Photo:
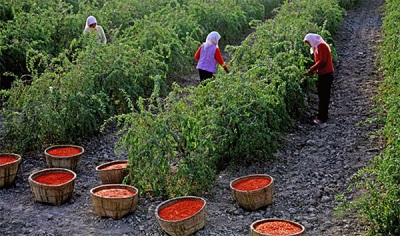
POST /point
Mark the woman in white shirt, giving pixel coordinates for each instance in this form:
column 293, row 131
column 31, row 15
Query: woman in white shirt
column 92, row 27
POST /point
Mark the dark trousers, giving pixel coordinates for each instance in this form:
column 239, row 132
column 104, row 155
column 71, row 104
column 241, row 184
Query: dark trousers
column 205, row 75
column 324, row 94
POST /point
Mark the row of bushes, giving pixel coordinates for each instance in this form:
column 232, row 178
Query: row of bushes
column 49, row 27
column 75, row 83
column 177, row 144
column 380, row 205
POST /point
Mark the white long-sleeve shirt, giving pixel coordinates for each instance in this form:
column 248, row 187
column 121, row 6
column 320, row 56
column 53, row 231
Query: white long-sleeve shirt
column 100, row 35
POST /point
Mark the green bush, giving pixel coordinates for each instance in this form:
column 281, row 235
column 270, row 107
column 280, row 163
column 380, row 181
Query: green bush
column 41, row 26
column 34, row 113
column 232, row 118
column 6, row 13
column 168, row 147
column 146, row 40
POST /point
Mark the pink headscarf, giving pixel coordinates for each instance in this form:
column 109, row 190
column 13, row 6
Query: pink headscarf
column 212, row 39
column 315, row 40
column 90, row 20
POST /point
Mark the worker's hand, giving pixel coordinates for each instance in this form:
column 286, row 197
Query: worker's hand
column 309, row 73
column 226, row 70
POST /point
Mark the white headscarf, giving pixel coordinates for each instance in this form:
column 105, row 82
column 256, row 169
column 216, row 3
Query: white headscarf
column 212, row 39
column 315, row 40
column 90, row 20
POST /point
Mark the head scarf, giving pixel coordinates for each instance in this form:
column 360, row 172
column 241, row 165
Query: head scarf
column 315, row 40
column 212, row 39
column 90, row 20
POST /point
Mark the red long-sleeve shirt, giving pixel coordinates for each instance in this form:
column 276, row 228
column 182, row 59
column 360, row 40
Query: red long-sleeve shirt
column 217, row 54
column 323, row 60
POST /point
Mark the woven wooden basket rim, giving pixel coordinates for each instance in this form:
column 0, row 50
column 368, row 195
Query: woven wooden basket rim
column 11, row 154
column 114, row 186
column 250, row 177
column 252, row 226
column 99, row 167
column 46, row 151
column 51, row 171
column 177, row 199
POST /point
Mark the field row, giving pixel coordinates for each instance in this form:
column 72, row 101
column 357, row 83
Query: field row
column 379, row 206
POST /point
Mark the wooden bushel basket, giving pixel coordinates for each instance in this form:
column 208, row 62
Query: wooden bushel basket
column 9, row 171
column 112, row 176
column 68, row 162
column 258, row 222
column 185, row 226
column 115, row 208
column 52, row 194
column 253, row 199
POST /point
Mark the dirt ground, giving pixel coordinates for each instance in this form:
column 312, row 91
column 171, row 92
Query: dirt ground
column 316, row 163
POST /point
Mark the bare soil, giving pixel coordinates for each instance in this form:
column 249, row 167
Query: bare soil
column 315, row 164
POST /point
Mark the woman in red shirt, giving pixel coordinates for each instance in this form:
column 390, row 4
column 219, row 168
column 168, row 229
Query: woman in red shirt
column 208, row 56
column 324, row 68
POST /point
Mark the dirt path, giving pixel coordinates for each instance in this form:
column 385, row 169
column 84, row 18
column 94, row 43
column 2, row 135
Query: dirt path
column 315, row 164
column 318, row 161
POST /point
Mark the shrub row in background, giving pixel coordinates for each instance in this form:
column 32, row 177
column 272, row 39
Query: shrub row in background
column 177, row 144
column 75, row 83
column 49, row 27
column 379, row 206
